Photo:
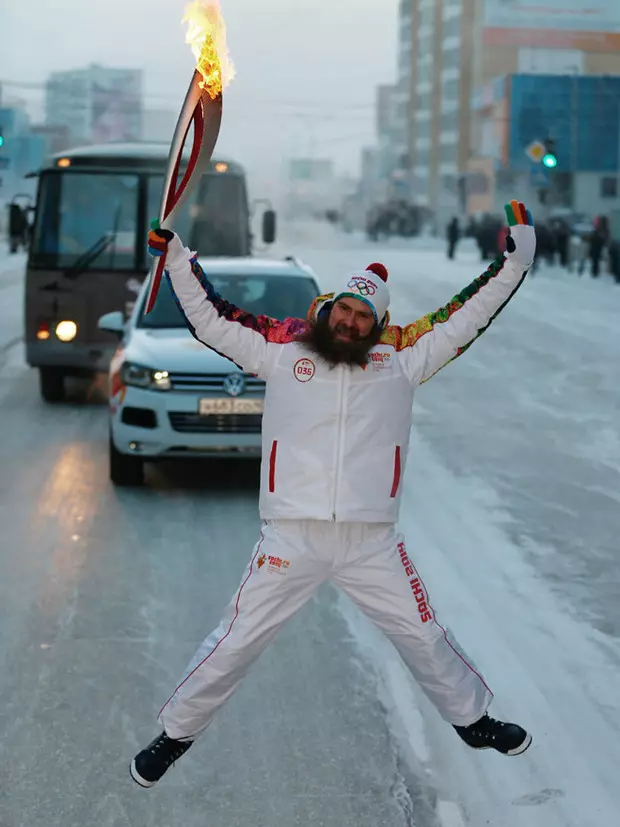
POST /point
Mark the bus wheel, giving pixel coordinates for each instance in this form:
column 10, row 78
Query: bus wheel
column 52, row 384
column 125, row 470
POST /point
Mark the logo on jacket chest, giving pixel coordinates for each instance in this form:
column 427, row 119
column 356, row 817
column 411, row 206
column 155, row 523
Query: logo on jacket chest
column 304, row 369
column 380, row 360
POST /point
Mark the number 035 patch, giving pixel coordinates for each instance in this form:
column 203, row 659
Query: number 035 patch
column 304, row 369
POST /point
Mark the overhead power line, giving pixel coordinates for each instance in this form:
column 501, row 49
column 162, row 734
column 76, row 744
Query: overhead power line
column 173, row 100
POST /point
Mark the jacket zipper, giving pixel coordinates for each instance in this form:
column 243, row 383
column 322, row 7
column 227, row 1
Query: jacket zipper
column 339, row 439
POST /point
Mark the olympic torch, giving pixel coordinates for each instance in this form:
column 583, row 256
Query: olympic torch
column 202, row 109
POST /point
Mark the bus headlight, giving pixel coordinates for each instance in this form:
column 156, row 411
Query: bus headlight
column 141, row 377
column 66, row 331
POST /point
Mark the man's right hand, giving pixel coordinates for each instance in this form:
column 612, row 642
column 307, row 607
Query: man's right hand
column 158, row 239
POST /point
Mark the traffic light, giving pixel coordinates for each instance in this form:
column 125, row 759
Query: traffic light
column 1, row 138
column 549, row 159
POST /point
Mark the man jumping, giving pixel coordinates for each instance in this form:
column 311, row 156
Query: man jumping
column 335, row 434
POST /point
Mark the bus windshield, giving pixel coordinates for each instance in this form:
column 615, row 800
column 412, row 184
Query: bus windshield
column 89, row 220
column 81, row 212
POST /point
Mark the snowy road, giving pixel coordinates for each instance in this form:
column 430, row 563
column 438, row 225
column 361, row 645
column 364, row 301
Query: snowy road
column 511, row 511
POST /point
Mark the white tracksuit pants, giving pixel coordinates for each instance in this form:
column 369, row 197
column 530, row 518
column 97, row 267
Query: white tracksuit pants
column 368, row 561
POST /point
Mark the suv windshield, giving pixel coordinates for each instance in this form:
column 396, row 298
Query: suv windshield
column 280, row 297
column 81, row 212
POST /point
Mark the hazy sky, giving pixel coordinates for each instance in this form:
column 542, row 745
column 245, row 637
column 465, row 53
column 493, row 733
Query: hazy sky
column 306, row 71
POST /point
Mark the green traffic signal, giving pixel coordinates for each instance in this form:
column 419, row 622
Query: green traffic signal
column 1, row 140
column 549, row 160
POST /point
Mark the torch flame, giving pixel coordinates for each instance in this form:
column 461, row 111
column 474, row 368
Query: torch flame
column 206, row 34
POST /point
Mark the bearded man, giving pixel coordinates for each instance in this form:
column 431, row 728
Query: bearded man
column 335, row 434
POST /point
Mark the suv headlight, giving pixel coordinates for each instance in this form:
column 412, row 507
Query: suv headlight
column 141, row 377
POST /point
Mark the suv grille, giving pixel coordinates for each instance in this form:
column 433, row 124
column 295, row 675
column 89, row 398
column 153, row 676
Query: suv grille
column 212, row 383
column 191, row 423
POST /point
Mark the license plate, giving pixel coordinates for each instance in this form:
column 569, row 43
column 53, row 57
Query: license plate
column 210, row 407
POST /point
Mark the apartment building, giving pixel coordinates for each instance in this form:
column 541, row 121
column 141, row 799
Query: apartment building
column 458, row 49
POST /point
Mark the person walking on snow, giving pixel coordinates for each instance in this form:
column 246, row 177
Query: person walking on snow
column 453, row 234
column 335, row 434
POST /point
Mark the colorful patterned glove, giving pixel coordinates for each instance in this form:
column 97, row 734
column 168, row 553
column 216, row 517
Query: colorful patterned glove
column 158, row 239
column 521, row 238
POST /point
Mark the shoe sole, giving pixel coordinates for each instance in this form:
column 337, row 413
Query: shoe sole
column 516, row 751
column 142, row 782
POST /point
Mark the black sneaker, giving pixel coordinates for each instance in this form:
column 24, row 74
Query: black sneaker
column 487, row 733
column 151, row 763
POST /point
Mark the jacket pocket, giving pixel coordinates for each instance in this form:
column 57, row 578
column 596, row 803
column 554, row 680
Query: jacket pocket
column 272, row 466
column 396, row 476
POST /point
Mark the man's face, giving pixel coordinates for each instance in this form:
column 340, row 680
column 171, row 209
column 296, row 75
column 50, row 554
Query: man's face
column 346, row 335
column 350, row 320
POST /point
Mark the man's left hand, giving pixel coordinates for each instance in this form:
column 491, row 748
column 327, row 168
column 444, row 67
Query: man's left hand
column 521, row 238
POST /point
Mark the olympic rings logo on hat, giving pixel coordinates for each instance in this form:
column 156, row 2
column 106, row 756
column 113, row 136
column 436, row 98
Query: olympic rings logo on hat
column 364, row 287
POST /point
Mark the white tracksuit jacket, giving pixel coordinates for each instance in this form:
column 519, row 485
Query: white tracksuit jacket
column 334, row 451
column 335, row 440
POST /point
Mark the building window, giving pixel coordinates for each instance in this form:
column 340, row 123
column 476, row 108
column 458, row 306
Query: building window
column 422, row 157
column 448, row 138
column 452, row 59
column 451, row 89
column 609, row 187
column 424, row 102
column 451, row 9
column 448, row 154
column 450, row 122
column 452, row 31
column 421, row 129
column 422, row 119
column 450, row 74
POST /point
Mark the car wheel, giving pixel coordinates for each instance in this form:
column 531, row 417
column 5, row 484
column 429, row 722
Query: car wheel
column 52, row 384
column 124, row 469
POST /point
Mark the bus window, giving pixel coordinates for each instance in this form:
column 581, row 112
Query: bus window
column 82, row 211
column 220, row 218
column 182, row 222
column 215, row 220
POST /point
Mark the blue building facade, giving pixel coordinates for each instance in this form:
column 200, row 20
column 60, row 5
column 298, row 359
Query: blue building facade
column 21, row 152
column 580, row 113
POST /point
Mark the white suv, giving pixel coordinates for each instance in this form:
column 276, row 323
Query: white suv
column 170, row 396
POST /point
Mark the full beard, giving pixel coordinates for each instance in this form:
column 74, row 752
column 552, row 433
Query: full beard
column 321, row 339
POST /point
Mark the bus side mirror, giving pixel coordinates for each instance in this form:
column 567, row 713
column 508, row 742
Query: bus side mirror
column 269, row 226
column 113, row 322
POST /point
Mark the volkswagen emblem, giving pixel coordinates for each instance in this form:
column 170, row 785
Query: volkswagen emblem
column 234, row 384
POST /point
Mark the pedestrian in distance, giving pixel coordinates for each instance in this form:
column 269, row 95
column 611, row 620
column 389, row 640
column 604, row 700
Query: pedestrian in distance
column 336, row 424
column 598, row 243
column 453, row 234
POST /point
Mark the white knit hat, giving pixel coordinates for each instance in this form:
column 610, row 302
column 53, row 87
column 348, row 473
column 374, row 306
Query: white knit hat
column 370, row 287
